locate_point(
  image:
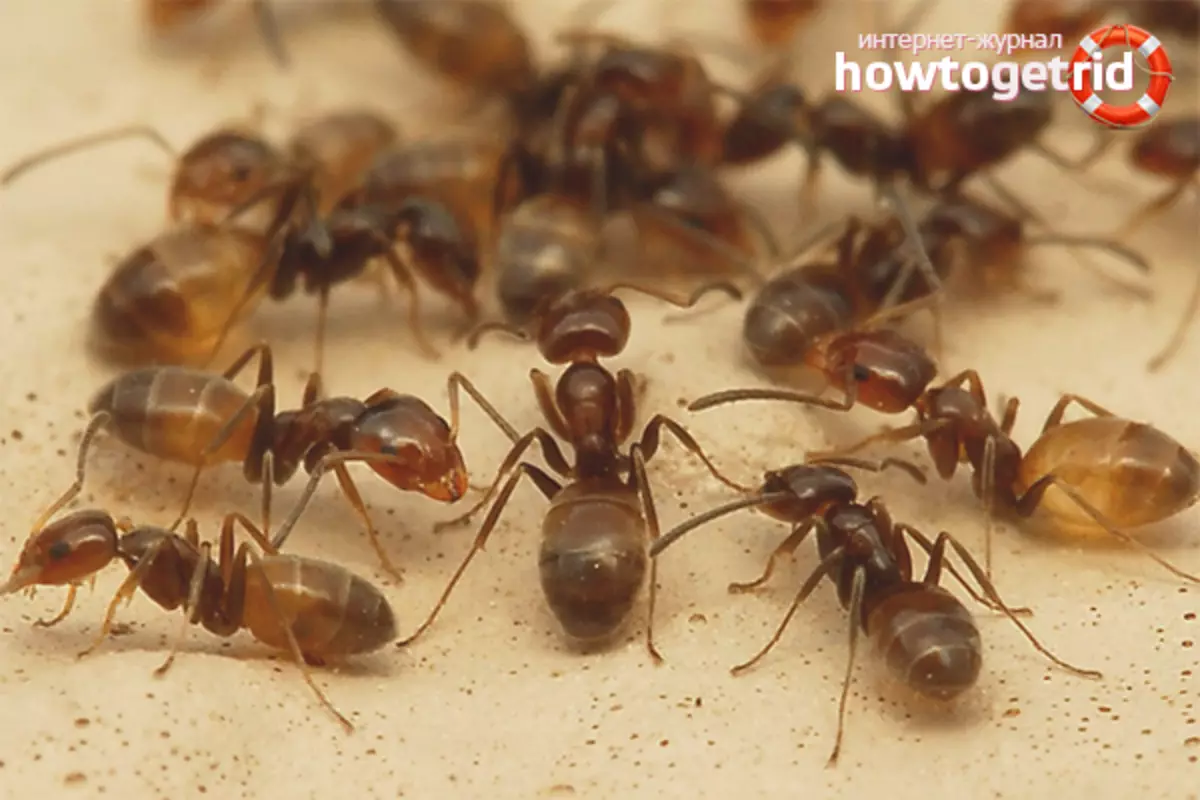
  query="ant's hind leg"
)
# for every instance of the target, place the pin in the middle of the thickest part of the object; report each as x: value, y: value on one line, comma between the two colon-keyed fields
x: 641, y: 485
x: 68, y: 604
x: 649, y: 444
x: 1028, y: 503
x: 1055, y: 417
x: 98, y: 421
x: 350, y: 490
x: 191, y: 610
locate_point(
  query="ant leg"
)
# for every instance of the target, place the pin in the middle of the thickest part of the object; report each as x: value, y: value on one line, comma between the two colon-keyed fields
x: 482, y: 328
x: 253, y: 531
x: 923, y: 264
x: 987, y: 481
x: 923, y: 542
x: 857, y: 589
x: 679, y: 300
x: 191, y: 607
x: 787, y: 395
x: 262, y: 399
x: 1055, y: 417
x: 1028, y: 503
x: 542, y: 480
x: 240, y: 565
x: 787, y: 548
x: 896, y: 435
x: 1009, y: 418
x: 266, y: 368
x: 458, y: 381
x: 98, y: 421
x: 125, y: 593
x: 543, y: 391
x: 650, y: 439
x: 827, y: 565
x: 403, y: 275
x: 351, y: 493
x: 936, y: 559
x: 1179, y: 334
x: 268, y: 28
x: 641, y: 485
x: 322, y: 321
x: 68, y: 604
x: 66, y: 148
x: 907, y: 467
x: 1152, y: 209
x: 510, y: 462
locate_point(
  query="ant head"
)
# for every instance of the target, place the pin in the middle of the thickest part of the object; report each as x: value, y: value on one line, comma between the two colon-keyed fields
x: 584, y: 323
x: 887, y: 371
x: 417, y: 446
x: 220, y: 173
x: 811, y: 488
x: 66, y: 551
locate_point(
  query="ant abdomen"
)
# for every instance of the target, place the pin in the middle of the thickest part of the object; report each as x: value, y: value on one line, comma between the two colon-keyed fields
x: 169, y: 299
x: 927, y: 639
x: 331, y: 611
x: 790, y: 311
x: 546, y: 247
x: 593, y: 561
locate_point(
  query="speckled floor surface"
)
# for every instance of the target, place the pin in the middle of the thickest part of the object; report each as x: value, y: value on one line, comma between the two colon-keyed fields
x: 492, y: 702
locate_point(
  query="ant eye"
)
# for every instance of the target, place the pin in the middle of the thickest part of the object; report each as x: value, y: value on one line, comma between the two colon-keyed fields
x: 861, y: 373
x: 58, y: 551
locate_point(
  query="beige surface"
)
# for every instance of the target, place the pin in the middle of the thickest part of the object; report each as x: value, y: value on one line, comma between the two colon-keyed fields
x: 492, y: 702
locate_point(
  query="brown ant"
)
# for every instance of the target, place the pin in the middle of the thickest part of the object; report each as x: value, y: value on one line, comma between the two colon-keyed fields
x: 774, y: 23
x: 928, y: 639
x: 1103, y: 473
x: 226, y: 173
x: 201, y: 419
x: 314, y: 610
x: 593, y: 559
x: 798, y: 315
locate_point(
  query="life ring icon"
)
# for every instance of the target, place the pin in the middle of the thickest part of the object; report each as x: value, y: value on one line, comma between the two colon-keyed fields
x: 1148, y: 105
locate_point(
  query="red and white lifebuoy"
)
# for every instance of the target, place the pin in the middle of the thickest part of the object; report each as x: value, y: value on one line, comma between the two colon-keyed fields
x: 1161, y: 76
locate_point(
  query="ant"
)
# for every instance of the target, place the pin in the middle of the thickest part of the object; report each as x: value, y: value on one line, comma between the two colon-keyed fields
x: 798, y: 314
x: 928, y: 639
x: 227, y: 172
x: 1102, y: 473
x: 593, y: 559
x: 210, y: 266
x: 774, y: 23
x: 164, y: 17
x: 201, y: 419
x: 314, y: 610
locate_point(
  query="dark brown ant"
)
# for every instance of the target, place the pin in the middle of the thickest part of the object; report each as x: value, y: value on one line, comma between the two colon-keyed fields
x: 1101, y: 474
x: 774, y: 23
x: 798, y: 315
x: 165, y: 17
x: 202, y: 419
x: 928, y: 639
x: 315, y: 610
x: 593, y: 559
